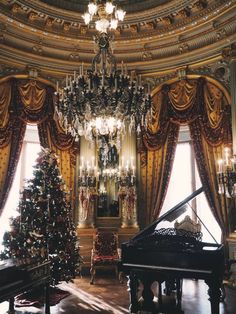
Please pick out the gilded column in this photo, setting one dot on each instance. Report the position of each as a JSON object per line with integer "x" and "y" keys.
{"x": 127, "y": 185}
{"x": 87, "y": 186}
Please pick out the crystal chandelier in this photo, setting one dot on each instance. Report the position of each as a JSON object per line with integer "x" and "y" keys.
{"x": 226, "y": 175}
{"x": 102, "y": 101}
{"x": 106, "y": 14}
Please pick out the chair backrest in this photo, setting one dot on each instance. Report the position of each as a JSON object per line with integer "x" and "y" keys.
{"x": 105, "y": 243}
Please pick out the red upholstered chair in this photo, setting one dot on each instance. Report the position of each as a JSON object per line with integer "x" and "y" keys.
{"x": 105, "y": 252}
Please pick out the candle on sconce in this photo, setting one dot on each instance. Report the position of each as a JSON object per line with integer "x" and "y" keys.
{"x": 126, "y": 70}
{"x": 220, "y": 165}
{"x": 89, "y": 84}
{"x": 82, "y": 69}
{"x": 227, "y": 156}
{"x": 82, "y": 161}
{"x": 127, "y": 165}
{"x": 122, "y": 161}
{"x": 57, "y": 87}
{"x": 132, "y": 161}
{"x": 122, "y": 67}
{"x": 233, "y": 162}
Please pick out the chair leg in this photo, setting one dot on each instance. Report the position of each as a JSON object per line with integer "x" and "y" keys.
{"x": 92, "y": 272}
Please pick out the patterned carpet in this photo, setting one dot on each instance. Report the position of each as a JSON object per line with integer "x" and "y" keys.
{"x": 36, "y": 297}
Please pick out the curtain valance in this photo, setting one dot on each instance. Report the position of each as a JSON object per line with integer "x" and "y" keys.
{"x": 185, "y": 101}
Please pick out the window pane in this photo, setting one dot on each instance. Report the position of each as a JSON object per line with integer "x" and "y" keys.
{"x": 181, "y": 186}
{"x": 180, "y": 182}
{"x": 205, "y": 214}
{"x": 32, "y": 150}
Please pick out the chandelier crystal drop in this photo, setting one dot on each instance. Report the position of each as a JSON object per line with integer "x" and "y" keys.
{"x": 102, "y": 101}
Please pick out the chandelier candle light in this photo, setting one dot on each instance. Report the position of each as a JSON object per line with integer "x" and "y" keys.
{"x": 88, "y": 173}
{"x": 226, "y": 175}
{"x": 102, "y": 100}
{"x": 126, "y": 175}
{"x": 106, "y": 14}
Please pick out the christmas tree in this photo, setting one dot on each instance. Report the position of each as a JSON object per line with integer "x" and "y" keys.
{"x": 44, "y": 228}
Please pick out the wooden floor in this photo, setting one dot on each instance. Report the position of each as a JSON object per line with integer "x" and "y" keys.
{"x": 107, "y": 295}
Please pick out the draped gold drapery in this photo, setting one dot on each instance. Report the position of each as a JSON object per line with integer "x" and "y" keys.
{"x": 22, "y": 101}
{"x": 205, "y": 108}
{"x": 62, "y": 145}
{"x": 155, "y": 174}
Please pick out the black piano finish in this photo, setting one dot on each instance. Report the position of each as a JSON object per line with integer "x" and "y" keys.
{"x": 165, "y": 255}
{"x": 20, "y": 275}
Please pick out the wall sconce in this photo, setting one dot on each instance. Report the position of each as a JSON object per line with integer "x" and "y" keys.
{"x": 126, "y": 175}
{"x": 88, "y": 173}
{"x": 226, "y": 175}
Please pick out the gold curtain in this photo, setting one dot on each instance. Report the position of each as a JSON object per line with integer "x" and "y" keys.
{"x": 211, "y": 133}
{"x": 11, "y": 138}
{"x": 63, "y": 145}
{"x": 156, "y": 165}
{"x": 23, "y": 101}
{"x": 206, "y": 157}
{"x": 182, "y": 94}
{"x": 32, "y": 94}
{"x": 202, "y": 105}
{"x": 5, "y": 99}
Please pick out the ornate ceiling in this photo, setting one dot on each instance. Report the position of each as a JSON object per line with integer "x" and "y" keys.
{"x": 156, "y": 37}
{"x": 130, "y": 6}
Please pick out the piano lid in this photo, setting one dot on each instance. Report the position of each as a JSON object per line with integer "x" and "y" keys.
{"x": 167, "y": 220}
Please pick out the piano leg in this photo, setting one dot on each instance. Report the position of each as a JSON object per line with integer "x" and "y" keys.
{"x": 11, "y": 309}
{"x": 47, "y": 301}
{"x": 214, "y": 294}
{"x": 133, "y": 291}
{"x": 179, "y": 284}
{"x": 148, "y": 304}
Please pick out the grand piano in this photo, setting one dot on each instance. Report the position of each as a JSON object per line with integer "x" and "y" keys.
{"x": 20, "y": 275}
{"x": 162, "y": 253}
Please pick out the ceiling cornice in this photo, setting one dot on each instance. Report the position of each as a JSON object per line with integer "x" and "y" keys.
{"x": 196, "y": 38}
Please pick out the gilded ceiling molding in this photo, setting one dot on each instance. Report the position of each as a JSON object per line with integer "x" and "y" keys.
{"x": 229, "y": 53}
{"x": 35, "y": 35}
{"x": 168, "y": 17}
